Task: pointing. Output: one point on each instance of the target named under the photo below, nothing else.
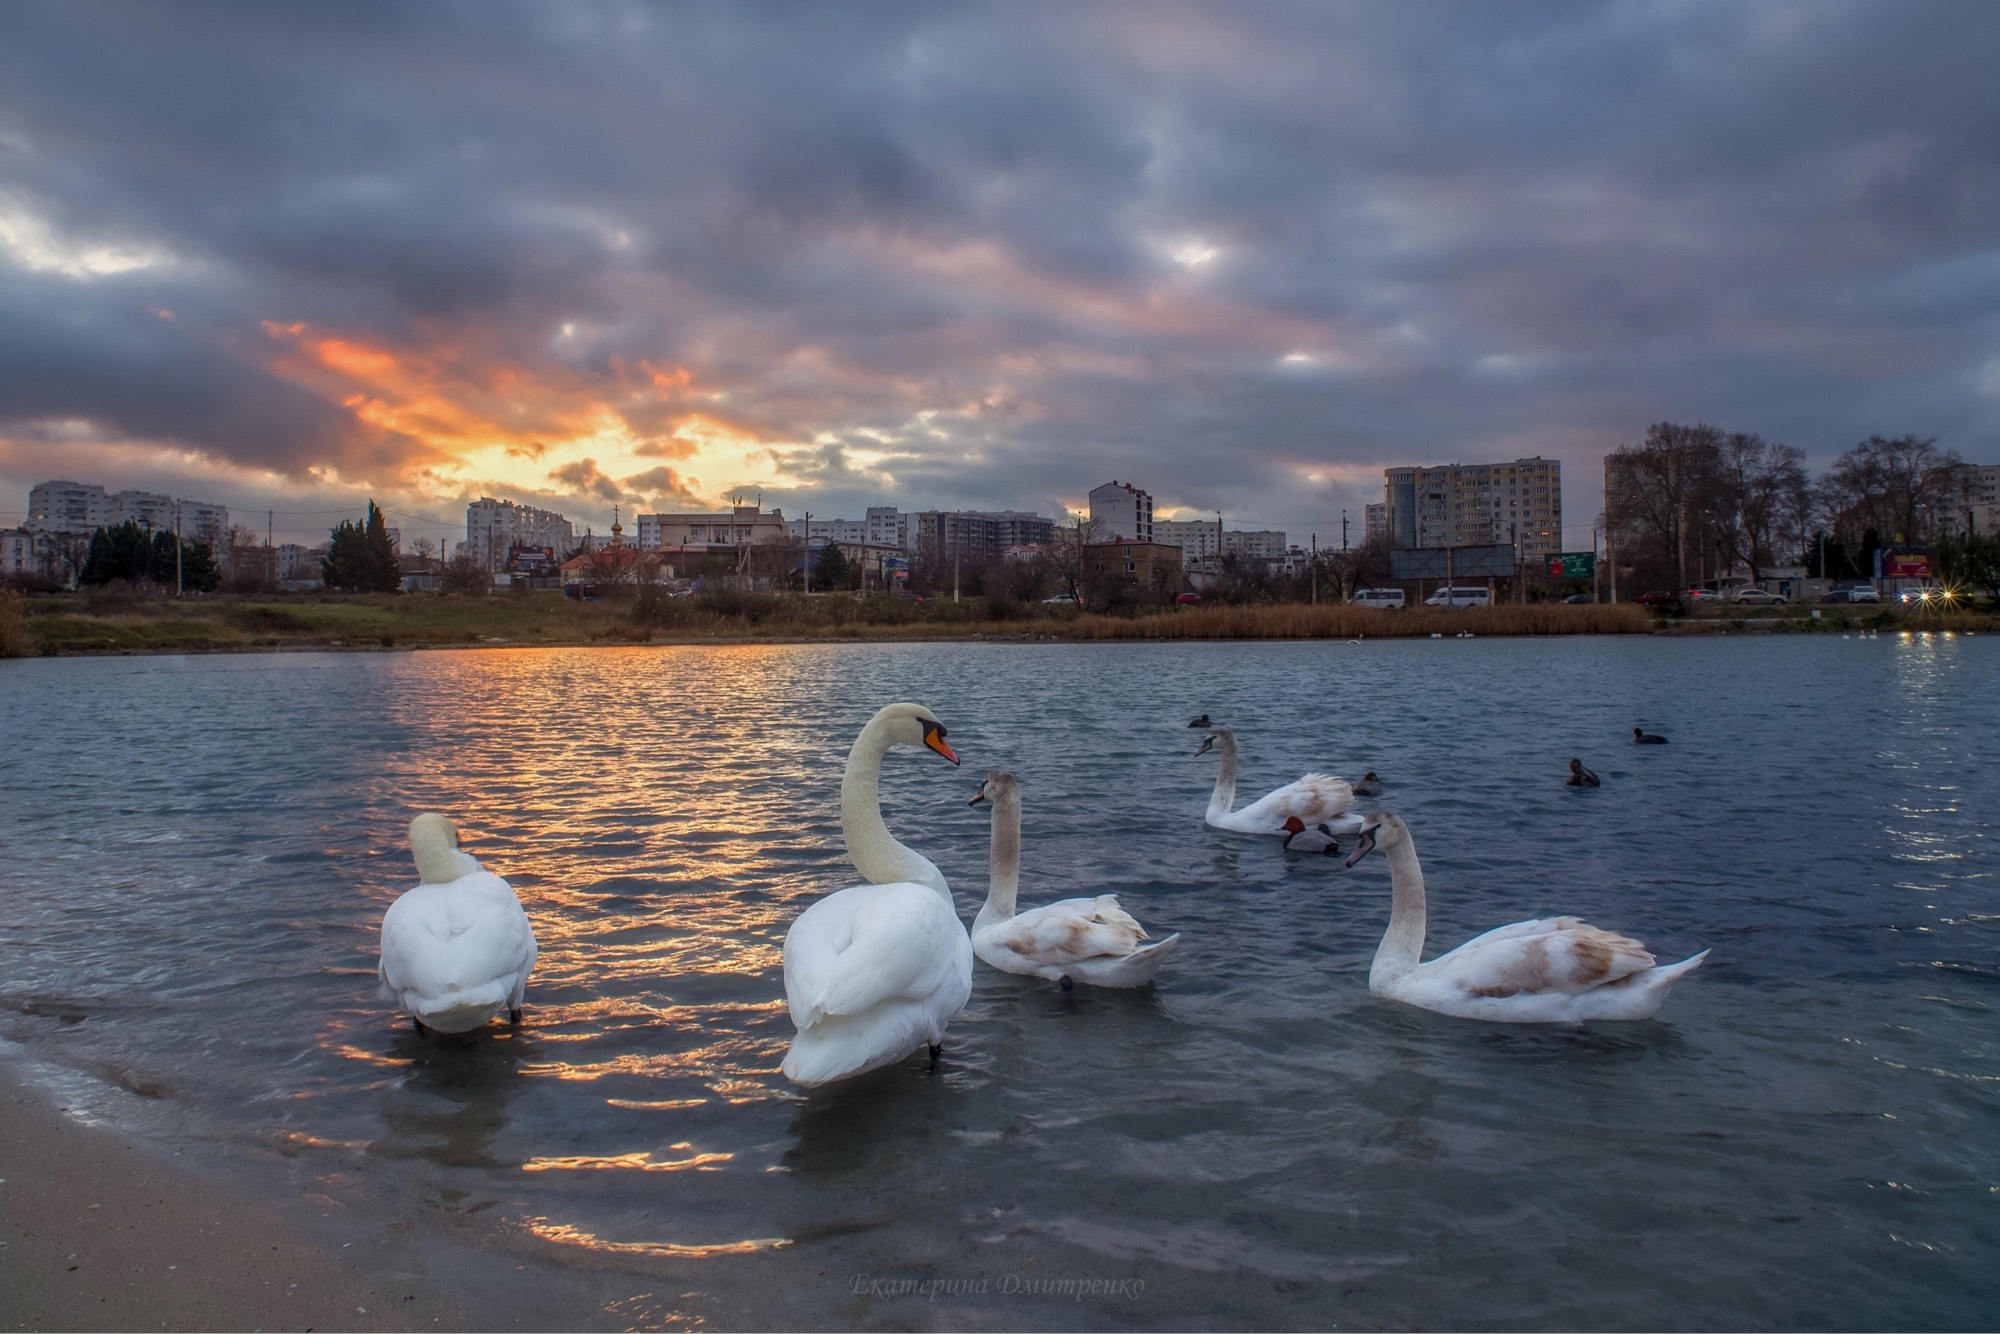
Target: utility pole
(1593, 562)
(1343, 530)
(177, 549)
(1315, 568)
(809, 553)
(954, 574)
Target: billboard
(1494, 562)
(1903, 563)
(1573, 565)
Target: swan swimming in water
(457, 949)
(1085, 940)
(1552, 970)
(874, 972)
(1314, 799)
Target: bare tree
(1659, 497)
(1903, 490)
(1758, 501)
(1063, 557)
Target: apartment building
(1374, 523)
(1204, 539)
(980, 535)
(1477, 504)
(82, 507)
(1121, 510)
(493, 527)
(818, 532)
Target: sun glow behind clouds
(30, 242)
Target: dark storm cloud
(996, 255)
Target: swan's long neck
(870, 846)
(1003, 882)
(1223, 799)
(1402, 947)
(435, 847)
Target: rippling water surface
(198, 853)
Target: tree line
(1688, 502)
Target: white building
(1204, 539)
(22, 552)
(1375, 523)
(67, 507)
(745, 525)
(81, 507)
(851, 532)
(494, 527)
(889, 528)
(1120, 509)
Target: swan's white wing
(440, 940)
(1314, 798)
(1553, 954)
(870, 944)
(1068, 931)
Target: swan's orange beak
(934, 738)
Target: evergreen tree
(361, 558)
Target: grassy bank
(129, 622)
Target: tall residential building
(851, 531)
(889, 528)
(1122, 510)
(744, 525)
(1199, 540)
(981, 535)
(82, 507)
(494, 527)
(1982, 498)
(1375, 524)
(1477, 504)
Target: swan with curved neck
(457, 949)
(874, 972)
(1314, 799)
(1551, 970)
(1083, 940)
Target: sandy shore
(99, 1231)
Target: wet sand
(100, 1231)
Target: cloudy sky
(983, 256)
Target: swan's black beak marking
(934, 738)
(978, 796)
(1206, 742)
(1362, 846)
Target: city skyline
(975, 258)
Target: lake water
(198, 852)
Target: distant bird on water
(1368, 785)
(1641, 737)
(1200, 722)
(1580, 776)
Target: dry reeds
(1296, 621)
(13, 624)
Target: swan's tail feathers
(1131, 970)
(1106, 910)
(1674, 972)
(460, 1011)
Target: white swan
(1315, 799)
(875, 971)
(456, 950)
(1552, 970)
(1085, 940)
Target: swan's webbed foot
(419, 1025)
(514, 1016)
(1065, 983)
(937, 1052)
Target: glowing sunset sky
(1242, 254)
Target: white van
(1382, 599)
(1460, 597)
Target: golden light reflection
(565, 1235)
(631, 1162)
(656, 1105)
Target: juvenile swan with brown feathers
(1083, 940)
(1552, 970)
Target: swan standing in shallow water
(1315, 799)
(1085, 940)
(456, 950)
(1553, 970)
(875, 971)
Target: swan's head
(1215, 737)
(434, 843)
(999, 783)
(1383, 829)
(913, 725)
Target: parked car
(1759, 597)
(1927, 596)
(1578, 599)
(1460, 596)
(1666, 603)
(1065, 599)
(1863, 593)
(1703, 595)
(1382, 599)
(1187, 599)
